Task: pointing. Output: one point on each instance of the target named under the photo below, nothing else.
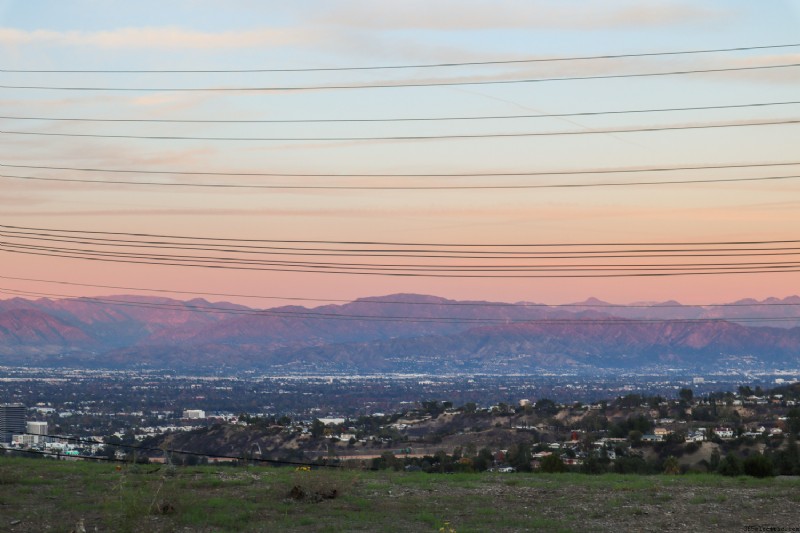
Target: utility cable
(184, 452)
(402, 187)
(627, 254)
(431, 244)
(195, 245)
(293, 88)
(383, 301)
(46, 253)
(684, 127)
(610, 319)
(714, 166)
(411, 66)
(397, 119)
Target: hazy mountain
(624, 344)
(394, 331)
(787, 309)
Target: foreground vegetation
(49, 495)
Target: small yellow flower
(446, 528)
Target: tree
(630, 400)
(758, 465)
(432, 407)
(787, 461)
(545, 407)
(671, 466)
(686, 395)
(655, 401)
(714, 460)
(483, 460)
(630, 465)
(793, 421)
(519, 456)
(387, 460)
(552, 464)
(594, 464)
(317, 428)
(470, 449)
(730, 466)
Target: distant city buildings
(37, 428)
(194, 414)
(12, 421)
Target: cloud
(325, 24)
(476, 14)
(161, 38)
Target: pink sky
(351, 33)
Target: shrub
(631, 465)
(730, 466)
(759, 466)
(553, 464)
(671, 466)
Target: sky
(199, 35)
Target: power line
(181, 452)
(398, 85)
(714, 166)
(399, 119)
(49, 253)
(308, 314)
(378, 318)
(424, 267)
(400, 187)
(408, 66)
(404, 253)
(59, 454)
(440, 244)
(11, 246)
(410, 137)
(371, 301)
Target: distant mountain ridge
(398, 331)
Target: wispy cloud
(162, 38)
(476, 14)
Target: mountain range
(397, 332)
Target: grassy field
(47, 495)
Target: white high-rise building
(37, 428)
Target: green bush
(759, 466)
(552, 464)
(730, 466)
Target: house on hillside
(724, 432)
(696, 436)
